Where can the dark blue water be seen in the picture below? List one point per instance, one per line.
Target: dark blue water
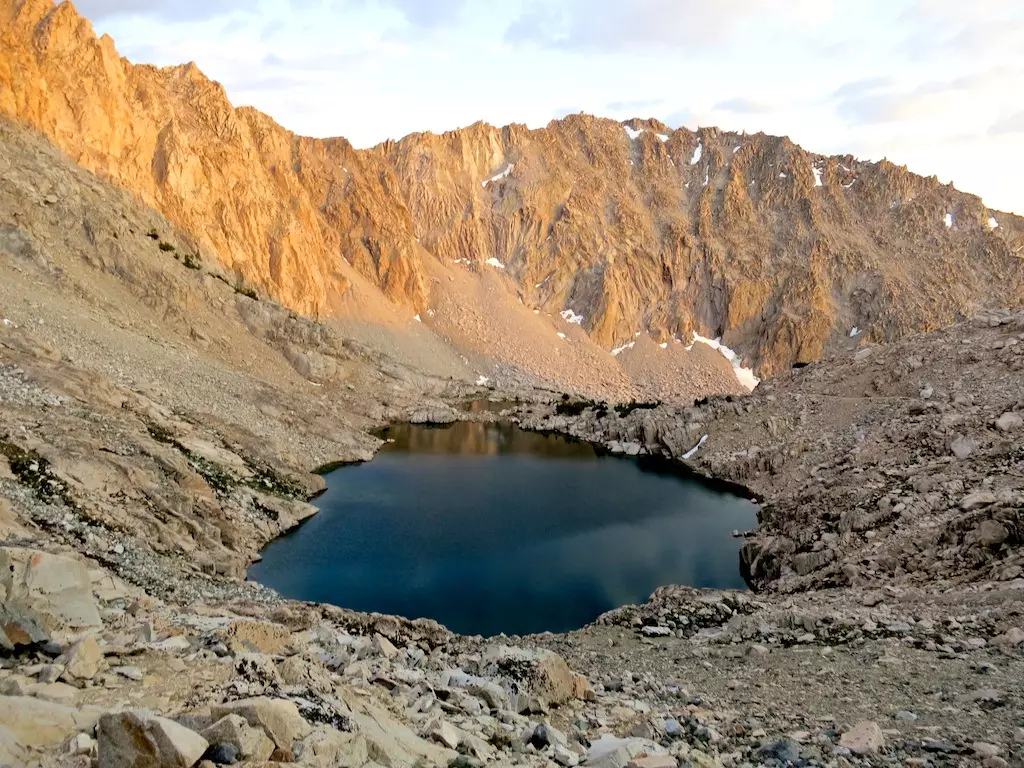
(488, 528)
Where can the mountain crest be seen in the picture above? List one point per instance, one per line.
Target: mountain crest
(633, 226)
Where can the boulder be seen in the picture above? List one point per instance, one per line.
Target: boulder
(1009, 422)
(865, 738)
(140, 739)
(610, 752)
(84, 660)
(34, 722)
(327, 746)
(20, 628)
(279, 718)
(384, 647)
(251, 743)
(977, 500)
(259, 637)
(12, 751)
(53, 590)
(542, 673)
(443, 733)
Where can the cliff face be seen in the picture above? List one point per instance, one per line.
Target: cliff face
(636, 227)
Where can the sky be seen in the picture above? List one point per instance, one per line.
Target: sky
(936, 85)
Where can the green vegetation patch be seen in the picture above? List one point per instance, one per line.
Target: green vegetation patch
(33, 471)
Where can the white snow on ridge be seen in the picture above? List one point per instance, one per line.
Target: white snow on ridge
(697, 153)
(571, 317)
(817, 176)
(693, 450)
(664, 345)
(737, 148)
(623, 348)
(417, 318)
(707, 177)
(662, 136)
(854, 331)
(631, 132)
(745, 376)
(948, 220)
(560, 335)
(992, 223)
(504, 174)
(495, 263)
(481, 380)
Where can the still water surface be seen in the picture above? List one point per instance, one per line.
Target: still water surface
(488, 528)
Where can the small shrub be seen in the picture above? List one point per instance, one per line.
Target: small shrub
(153, 234)
(247, 291)
(192, 261)
(166, 247)
(624, 409)
(573, 407)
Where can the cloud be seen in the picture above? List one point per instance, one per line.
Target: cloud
(634, 105)
(877, 101)
(171, 10)
(746, 106)
(613, 25)
(428, 13)
(1009, 124)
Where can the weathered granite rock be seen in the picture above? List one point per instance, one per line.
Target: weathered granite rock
(34, 722)
(141, 739)
(53, 589)
(865, 738)
(279, 718)
(252, 743)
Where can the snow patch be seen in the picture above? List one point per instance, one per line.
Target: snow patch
(847, 186)
(632, 133)
(417, 318)
(992, 223)
(662, 136)
(707, 177)
(783, 176)
(745, 376)
(431, 312)
(948, 220)
(692, 451)
(481, 380)
(697, 153)
(538, 285)
(571, 317)
(503, 175)
(737, 148)
(817, 175)
(495, 263)
(560, 335)
(664, 345)
(855, 331)
(623, 348)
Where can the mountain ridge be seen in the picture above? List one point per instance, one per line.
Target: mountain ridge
(750, 238)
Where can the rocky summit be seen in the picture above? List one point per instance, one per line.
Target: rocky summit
(199, 310)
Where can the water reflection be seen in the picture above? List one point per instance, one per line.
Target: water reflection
(488, 528)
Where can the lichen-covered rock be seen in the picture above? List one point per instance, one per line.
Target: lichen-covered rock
(141, 739)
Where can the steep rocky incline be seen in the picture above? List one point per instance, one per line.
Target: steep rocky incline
(633, 228)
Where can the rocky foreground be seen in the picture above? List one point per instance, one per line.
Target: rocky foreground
(130, 638)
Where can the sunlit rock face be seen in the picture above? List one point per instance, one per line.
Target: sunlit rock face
(632, 227)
